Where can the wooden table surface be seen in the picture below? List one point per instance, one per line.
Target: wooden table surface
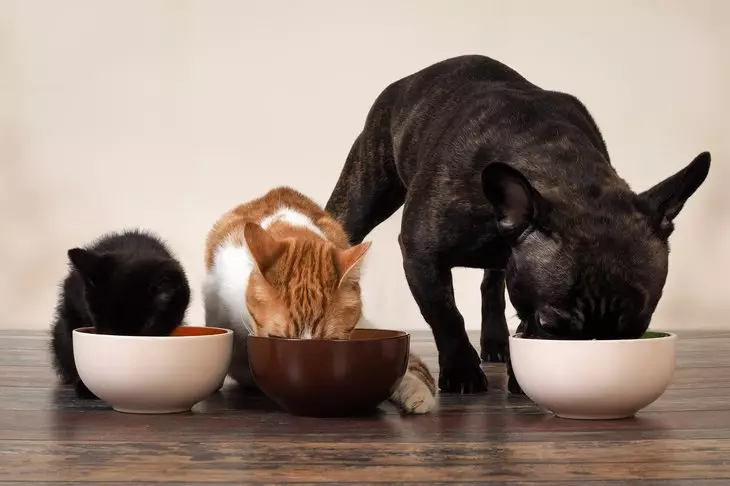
(49, 437)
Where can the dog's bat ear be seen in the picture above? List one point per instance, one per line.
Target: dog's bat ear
(516, 203)
(668, 197)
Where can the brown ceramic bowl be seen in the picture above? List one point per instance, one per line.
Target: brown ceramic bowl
(328, 378)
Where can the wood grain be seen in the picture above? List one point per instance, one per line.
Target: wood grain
(47, 436)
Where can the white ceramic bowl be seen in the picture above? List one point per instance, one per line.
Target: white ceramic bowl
(594, 380)
(143, 374)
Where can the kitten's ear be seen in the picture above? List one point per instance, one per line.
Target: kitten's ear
(668, 197)
(350, 261)
(264, 248)
(92, 266)
(516, 203)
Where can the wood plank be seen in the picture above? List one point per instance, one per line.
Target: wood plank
(635, 482)
(176, 467)
(274, 451)
(101, 425)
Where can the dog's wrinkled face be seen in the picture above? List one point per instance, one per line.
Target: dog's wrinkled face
(603, 290)
(591, 272)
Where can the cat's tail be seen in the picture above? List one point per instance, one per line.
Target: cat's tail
(417, 390)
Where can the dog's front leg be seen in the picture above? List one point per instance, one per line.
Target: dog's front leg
(433, 291)
(495, 334)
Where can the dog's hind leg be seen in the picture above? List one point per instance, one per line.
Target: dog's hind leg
(369, 189)
(495, 335)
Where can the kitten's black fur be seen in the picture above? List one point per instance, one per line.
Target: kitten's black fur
(498, 174)
(124, 283)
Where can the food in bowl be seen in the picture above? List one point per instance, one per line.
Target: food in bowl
(153, 374)
(593, 380)
(330, 378)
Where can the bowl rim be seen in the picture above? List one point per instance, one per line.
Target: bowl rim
(666, 336)
(84, 331)
(399, 335)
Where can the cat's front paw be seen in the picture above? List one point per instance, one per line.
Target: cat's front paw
(420, 401)
(413, 396)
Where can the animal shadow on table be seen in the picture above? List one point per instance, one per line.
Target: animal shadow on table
(235, 397)
(495, 173)
(70, 414)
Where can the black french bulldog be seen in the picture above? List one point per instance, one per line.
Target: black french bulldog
(499, 174)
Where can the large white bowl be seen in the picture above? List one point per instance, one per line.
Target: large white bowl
(594, 380)
(145, 374)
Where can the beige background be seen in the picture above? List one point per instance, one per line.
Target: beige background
(164, 114)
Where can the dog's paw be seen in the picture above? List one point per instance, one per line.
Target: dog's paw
(512, 384)
(83, 392)
(514, 387)
(495, 350)
(413, 396)
(461, 373)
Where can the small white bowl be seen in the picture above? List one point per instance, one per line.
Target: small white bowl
(594, 380)
(160, 374)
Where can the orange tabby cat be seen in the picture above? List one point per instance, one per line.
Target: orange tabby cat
(281, 266)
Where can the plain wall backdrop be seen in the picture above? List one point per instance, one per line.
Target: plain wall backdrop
(165, 114)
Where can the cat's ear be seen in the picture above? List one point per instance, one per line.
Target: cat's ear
(350, 261)
(264, 248)
(517, 204)
(92, 266)
(668, 197)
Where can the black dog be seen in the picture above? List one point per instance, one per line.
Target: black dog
(499, 174)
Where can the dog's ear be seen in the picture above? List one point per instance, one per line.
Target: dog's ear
(516, 203)
(668, 197)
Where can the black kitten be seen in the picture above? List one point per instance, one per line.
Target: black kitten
(124, 283)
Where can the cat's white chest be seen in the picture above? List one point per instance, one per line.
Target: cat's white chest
(228, 284)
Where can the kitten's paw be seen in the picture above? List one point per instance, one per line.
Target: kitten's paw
(413, 396)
